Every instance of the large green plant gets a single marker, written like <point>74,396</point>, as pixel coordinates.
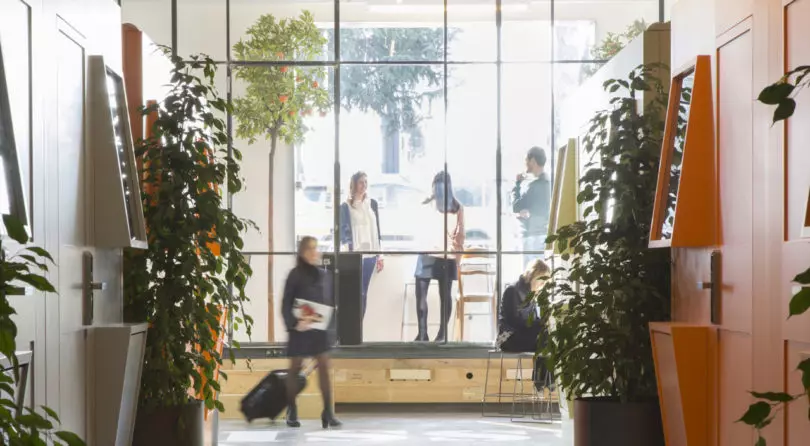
<point>277,98</point>
<point>23,268</point>
<point>193,268</point>
<point>762,413</point>
<point>613,43</point>
<point>600,304</point>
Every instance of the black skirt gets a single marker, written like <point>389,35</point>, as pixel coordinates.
<point>304,344</point>
<point>431,267</point>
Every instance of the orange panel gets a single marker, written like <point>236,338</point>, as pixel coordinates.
<point>696,209</point>
<point>687,354</point>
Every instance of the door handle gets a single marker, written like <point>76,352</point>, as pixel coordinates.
<point>714,285</point>
<point>89,287</point>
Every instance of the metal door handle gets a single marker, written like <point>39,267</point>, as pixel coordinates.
<point>98,286</point>
<point>704,285</point>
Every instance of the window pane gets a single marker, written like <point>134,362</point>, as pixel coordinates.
<point>526,31</point>
<point>471,35</point>
<point>598,29</point>
<point>392,128</point>
<point>201,28</point>
<point>265,290</point>
<point>571,113</point>
<point>153,17</point>
<point>303,30</point>
<point>526,123</point>
<point>403,31</point>
<point>472,104</point>
<point>291,105</point>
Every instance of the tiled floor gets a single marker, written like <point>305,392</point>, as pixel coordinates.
<point>410,429</point>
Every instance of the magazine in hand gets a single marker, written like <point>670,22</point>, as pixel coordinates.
<point>318,314</point>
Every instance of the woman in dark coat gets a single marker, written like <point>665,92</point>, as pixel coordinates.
<point>519,327</point>
<point>307,282</point>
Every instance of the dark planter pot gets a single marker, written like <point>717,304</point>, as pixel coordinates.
<point>171,426</point>
<point>607,422</point>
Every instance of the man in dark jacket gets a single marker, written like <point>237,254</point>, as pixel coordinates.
<point>531,201</point>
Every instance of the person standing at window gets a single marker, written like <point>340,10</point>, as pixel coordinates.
<point>531,201</point>
<point>443,268</point>
<point>360,229</point>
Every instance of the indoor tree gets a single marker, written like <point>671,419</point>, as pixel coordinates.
<point>762,413</point>
<point>600,302</point>
<point>193,270</point>
<point>278,97</point>
<point>23,267</point>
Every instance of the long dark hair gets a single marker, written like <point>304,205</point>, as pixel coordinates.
<point>353,185</point>
<point>444,177</point>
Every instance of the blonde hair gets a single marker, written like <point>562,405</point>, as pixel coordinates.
<point>353,185</point>
<point>536,268</point>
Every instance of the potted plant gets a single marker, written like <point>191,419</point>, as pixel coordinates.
<point>599,304</point>
<point>193,269</point>
<point>762,413</point>
<point>23,268</point>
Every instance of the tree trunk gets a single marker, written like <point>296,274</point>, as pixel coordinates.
<point>390,146</point>
<point>271,310</point>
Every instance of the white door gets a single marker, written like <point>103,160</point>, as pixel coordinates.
<point>73,233</point>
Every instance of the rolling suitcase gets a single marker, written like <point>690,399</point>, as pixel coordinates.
<point>269,398</point>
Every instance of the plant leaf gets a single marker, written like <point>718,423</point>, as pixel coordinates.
<point>803,278</point>
<point>756,413</point>
<point>776,397</point>
<point>784,110</point>
<point>800,302</point>
<point>15,229</point>
<point>70,438</point>
<point>776,93</point>
<point>804,367</point>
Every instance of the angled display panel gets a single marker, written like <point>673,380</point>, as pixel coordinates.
<point>686,196</point>
<point>12,195</point>
<point>119,213</point>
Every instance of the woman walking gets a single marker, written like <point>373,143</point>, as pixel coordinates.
<point>360,229</point>
<point>441,267</point>
<point>307,282</point>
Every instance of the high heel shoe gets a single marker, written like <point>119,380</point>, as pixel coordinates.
<point>292,416</point>
<point>421,337</point>
<point>328,420</point>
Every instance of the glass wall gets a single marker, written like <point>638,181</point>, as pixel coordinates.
<point>398,94</point>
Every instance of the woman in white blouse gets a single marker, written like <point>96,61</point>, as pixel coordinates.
<point>360,229</point>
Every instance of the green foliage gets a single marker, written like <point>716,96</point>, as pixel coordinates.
<point>781,93</point>
<point>613,43</point>
<point>762,413</point>
<point>193,268</point>
<point>28,428</point>
<point>600,304</point>
<point>278,97</point>
<point>395,93</point>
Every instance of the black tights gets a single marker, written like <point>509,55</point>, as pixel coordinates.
<point>323,380</point>
<point>446,308</point>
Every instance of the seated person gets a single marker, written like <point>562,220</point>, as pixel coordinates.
<point>515,333</point>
